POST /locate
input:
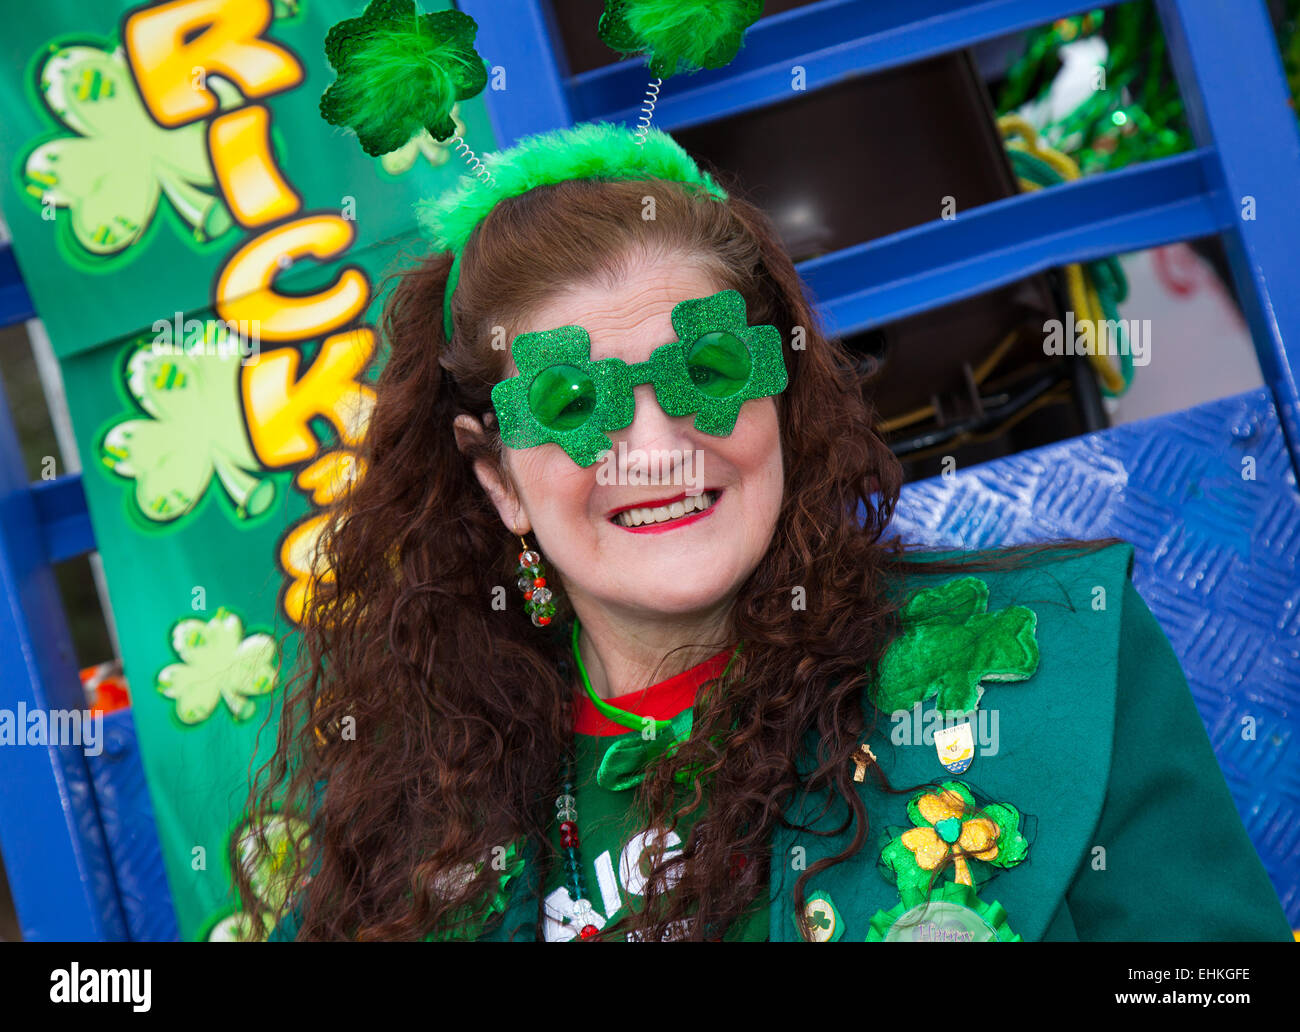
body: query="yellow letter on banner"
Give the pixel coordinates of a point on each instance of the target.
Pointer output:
(240, 145)
(331, 476)
(279, 406)
(168, 43)
(244, 286)
(305, 565)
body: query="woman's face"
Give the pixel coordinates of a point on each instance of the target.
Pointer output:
(685, 564)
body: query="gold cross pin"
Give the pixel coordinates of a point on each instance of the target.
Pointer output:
(861, 758)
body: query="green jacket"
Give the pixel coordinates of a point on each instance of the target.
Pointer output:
(1114, 821)
(1137, 837)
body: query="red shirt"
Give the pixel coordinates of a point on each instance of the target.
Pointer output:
(662, 701)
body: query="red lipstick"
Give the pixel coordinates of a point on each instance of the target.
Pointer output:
(682, 521)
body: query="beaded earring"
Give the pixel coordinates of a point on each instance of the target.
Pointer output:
(538, 602)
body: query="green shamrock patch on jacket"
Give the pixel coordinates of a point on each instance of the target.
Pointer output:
(950, 643)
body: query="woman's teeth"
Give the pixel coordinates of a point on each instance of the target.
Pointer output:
(663, 513)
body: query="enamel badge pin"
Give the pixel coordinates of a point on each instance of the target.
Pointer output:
(955, 746)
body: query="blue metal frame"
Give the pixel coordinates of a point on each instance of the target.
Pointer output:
(1231, 80)
(831, 41)
(1238, 111)
(15, 305)
(54, 849)
(945, 260)
(510, 36)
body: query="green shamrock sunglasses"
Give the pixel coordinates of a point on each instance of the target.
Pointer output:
(561, 396)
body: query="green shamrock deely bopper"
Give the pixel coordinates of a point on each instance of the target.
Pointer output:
(950, 643)
(678, 35)
(400, 72)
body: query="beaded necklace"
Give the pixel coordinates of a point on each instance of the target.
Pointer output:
(566, 810)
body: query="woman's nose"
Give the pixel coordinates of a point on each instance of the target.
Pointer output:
(653, 429)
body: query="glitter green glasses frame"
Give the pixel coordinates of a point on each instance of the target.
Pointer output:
(561, 396)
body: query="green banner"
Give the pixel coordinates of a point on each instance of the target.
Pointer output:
(204, 250)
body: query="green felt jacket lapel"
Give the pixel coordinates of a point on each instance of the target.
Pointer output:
(1053, 742)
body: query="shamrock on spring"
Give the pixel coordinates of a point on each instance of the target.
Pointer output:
(399, 73)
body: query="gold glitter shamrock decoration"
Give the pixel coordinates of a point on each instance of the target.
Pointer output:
(952, 831)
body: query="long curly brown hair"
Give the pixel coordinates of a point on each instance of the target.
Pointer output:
(459, 713)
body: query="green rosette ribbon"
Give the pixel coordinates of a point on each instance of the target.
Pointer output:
(967, 919)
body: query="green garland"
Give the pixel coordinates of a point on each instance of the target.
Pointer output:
(1105, 132)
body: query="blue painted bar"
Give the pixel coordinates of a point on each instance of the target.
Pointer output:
(59, 870)
(938, 262)
(512, 35)
(831, 41)
(1237, 101)
(15, 304)
(63, 517)
(127, 814)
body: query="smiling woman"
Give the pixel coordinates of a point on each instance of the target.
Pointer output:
(680, 727)
(695, 563)
(714, 663)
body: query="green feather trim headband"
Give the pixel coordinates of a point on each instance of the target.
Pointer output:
(592, 150)
(400, 72)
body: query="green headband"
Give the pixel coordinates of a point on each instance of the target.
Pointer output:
(591, 150)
